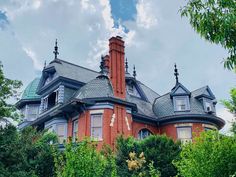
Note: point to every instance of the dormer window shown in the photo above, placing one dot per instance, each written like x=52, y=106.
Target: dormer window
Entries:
x=208, y=104
x=181, y=103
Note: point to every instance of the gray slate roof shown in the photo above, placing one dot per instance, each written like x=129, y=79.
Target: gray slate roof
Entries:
x=150, y=94
x=72, y=71
x=99, y=87
x=164, y=107
x=143, y=107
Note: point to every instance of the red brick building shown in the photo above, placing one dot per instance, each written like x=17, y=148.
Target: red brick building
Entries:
x=78, y=102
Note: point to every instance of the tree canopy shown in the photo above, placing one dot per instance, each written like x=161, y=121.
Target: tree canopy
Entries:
x=8, y=89
x=215, y=21
x=212, y=154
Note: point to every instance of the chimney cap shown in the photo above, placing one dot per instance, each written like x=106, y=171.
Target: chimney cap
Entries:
x=119, y=37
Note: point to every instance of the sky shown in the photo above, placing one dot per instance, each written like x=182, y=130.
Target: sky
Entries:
x=155, y=35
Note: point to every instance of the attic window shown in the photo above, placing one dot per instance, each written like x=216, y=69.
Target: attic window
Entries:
x=181, y=103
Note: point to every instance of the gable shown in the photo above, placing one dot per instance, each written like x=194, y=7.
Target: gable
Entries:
x=179, y=90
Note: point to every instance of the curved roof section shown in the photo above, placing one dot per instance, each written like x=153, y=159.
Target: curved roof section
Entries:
x=164, y=109
x=30, y=91
x=96, y=88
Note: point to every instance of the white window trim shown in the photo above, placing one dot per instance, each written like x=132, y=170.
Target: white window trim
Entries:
x=175, y=98
x=184, y=140
x=101, y=114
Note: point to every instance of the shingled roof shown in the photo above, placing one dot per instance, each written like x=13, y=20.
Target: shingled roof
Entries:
x=99, y=87
x=72, y=71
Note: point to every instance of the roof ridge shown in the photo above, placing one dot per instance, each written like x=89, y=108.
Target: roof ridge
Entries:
x=77, y=65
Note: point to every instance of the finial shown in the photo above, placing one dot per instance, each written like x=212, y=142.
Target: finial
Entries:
x=103, y=67
x=56, y=50
x=45, y=64
x=126, y=66
x=176, y=74
x=134, y=72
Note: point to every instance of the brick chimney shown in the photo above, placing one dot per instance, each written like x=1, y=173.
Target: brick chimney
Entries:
x=116, y=66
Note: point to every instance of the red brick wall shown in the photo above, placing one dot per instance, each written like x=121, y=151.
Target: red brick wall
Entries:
x=171, y=131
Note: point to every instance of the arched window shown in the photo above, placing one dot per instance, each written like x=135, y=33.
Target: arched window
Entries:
x=143, y=133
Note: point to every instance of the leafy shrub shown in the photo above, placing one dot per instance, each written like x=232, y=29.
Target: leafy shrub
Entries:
x=158, y=150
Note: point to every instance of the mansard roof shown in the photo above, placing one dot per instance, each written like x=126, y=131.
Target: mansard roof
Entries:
x=164, y=109
x=99, y=87
x=68, y=70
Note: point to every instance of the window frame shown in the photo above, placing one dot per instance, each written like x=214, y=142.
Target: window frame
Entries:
x=75, y=133
x=64, y=132
x=186, y=100
x=184, y=140
x=91, y=127
x=141, y=130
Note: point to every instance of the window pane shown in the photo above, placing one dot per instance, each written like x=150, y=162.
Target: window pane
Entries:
x=75, y=129
x=96, y=133
x=96, y=126
x=96, y=120
x=181, y=104
x=184, y=132
x=60, y=130
x=144, y=133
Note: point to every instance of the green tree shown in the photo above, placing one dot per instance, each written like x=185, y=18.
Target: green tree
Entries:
x=231, y=106
x=212, y=154
x=8, y=89
x=215, y=21
x=83, y=159
x=26, y=153
x=158, y=150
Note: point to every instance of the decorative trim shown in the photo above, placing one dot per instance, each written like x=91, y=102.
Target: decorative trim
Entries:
x=184, y=125
x=112, y=120
x=209, y=126
x=127, y=123
x=101, y=106
x=99, y=111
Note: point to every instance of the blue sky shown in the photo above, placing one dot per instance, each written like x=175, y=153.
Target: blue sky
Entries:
x=156, y=37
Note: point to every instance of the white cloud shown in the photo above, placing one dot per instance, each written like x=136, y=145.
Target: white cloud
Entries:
x=31, y=54
x=145, y=16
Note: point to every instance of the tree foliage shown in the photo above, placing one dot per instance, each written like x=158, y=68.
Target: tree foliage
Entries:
x=82, y=159
x=158, y=149
x=8, y=89
x=215, y=20
x=26, y=153
x=212, y=155
x=231, y=106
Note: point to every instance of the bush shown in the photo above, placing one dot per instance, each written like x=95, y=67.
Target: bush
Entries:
x=158, y=150
x=212, y=155
x=26, y=153
x=82, y=159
